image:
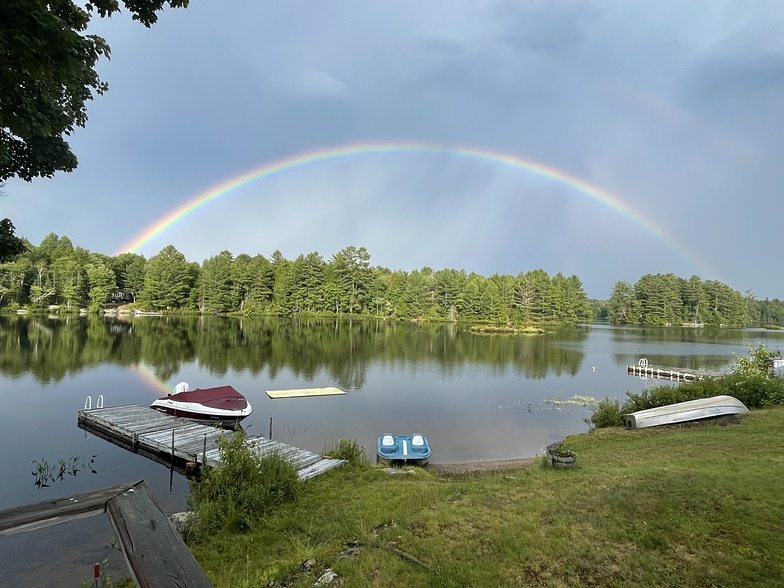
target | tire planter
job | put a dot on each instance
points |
(560, 458)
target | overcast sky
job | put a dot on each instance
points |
(674, 109)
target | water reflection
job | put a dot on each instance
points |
(52, 348)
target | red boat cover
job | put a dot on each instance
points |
(224, 397)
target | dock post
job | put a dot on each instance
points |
(204, 451)
(270, 435)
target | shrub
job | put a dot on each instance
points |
(242, 490)
(758, 362)
(755, 391)
(775, 398)
(607, 414)
(664, 395)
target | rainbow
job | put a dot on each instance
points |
(338, 152)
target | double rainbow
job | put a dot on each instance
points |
(340, 152)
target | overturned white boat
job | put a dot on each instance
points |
(681, 412)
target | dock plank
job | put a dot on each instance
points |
(319, 467)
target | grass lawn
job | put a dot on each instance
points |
(687, 506)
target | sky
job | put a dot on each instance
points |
(606, 140)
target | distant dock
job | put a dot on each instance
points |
(644, 370)
(177, 442)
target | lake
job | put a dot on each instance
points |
(476, 397)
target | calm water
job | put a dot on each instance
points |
(476, 397)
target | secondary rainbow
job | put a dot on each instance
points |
(364, 149)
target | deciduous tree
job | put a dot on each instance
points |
(47, 75)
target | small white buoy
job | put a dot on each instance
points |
(593, 369)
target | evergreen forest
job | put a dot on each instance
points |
(56, 275)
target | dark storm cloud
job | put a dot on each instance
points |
(741, 92)
(672, 108)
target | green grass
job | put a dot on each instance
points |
(688, 506)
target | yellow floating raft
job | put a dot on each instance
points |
(304, 392)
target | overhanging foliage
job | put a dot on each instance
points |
(47, 75)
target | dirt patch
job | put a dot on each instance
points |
(481, 466)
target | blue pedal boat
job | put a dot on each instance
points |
(403, 450)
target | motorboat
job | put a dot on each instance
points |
(220, 405)
(681, 412)
(403, 450)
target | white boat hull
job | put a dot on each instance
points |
(681, 412)
(199, 413)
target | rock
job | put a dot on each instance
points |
(180, 520)
(328, 577)
(395, 471)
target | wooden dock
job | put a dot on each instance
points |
(154, 551)
(644, 370)
(60, 510)
(177, 442)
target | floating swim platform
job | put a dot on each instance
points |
(298, 393)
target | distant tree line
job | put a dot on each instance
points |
(665, 299)
(55, 273)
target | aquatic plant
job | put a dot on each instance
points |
(46, 474)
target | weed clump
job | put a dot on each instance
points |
(351, 451)
(241, 491)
